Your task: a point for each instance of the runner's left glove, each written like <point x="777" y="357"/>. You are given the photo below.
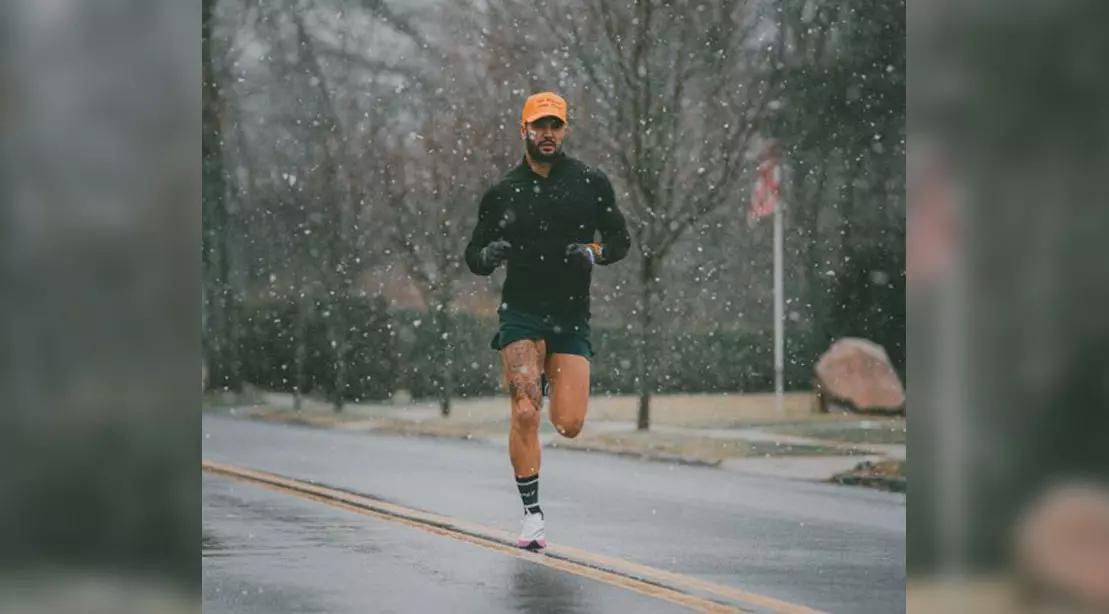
<point x="583" y="255"/>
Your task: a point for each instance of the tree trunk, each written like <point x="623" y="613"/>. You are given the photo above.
<point x="219" y="344"/>
<point x="300" y="352"/>
<point x="644" y="355"/>
<point x="233" y="323"/>
<point x="338" y="336"/>
<point x="340" y="377"/>
<point x="444" y="327"/>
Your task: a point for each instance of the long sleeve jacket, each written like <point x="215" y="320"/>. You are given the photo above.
<point x="539" y="216"/>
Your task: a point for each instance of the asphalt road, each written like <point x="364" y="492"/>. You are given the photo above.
<point x="267" y="552"/>
<point x="831" y="548"/>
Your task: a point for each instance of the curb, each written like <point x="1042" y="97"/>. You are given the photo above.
<point x="878" y="482"/>
<point x="655" y="457"/>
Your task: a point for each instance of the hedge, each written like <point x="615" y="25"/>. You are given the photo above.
<point x="390" y="350"/>
<point x="268" y="347"/>
<point x="475" y="367"/>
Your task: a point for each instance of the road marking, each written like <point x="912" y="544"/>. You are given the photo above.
<point x="694" y="593"/>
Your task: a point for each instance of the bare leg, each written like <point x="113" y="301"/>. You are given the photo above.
<point x="569" y="379"/>
<point x="522" y="362"/>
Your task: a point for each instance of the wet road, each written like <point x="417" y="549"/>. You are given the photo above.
<point x="268" y="552"/>
<point x="831" y="548"/>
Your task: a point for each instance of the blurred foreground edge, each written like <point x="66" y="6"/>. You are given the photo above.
<point x="99" y="312"/>
<point x="1009" y="338"/>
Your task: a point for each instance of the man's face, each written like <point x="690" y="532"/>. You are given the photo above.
<point x="543" y="138"/>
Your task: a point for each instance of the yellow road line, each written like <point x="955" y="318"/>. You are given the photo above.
<point x="673" y="587"/>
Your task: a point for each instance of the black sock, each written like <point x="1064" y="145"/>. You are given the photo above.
<point x="529" y="493"/>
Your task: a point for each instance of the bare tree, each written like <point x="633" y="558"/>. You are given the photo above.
<point x="350" y="201"/>
<point x="435" y="164"/>
<point x="338" y="244"/>
<point x="434" y="177"/>
<point x="306" y="219"/>
<point x="219" y="305"/>
<point x="673" y="91"/>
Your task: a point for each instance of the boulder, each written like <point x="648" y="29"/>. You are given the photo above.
<point x="858" y="373"/>
<point x="1063" y="546"/>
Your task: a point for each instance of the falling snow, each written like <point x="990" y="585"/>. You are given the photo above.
<point x="357" y="150"/>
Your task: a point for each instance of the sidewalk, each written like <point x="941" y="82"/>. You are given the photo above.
<point x="733" y="432"/>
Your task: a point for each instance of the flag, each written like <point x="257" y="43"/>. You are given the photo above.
<point x="764" y="196"/>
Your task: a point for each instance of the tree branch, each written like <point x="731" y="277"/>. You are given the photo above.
<point x="382" y="10"/>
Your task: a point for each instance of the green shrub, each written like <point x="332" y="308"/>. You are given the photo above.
<point x="698" y="362"/>
<point x="475" y="367"/>
<point x="269" y="345"/>
<point x="397" y="349"/>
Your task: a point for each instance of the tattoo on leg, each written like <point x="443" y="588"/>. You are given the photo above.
<point x="531" y="389"/>
<point x="525" y="386"/>
<point x="521" y="364"/>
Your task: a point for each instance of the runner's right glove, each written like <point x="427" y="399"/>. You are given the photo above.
<point x="495" y="253"/>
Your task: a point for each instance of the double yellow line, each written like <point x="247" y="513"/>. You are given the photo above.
<point x="693" y="593"/>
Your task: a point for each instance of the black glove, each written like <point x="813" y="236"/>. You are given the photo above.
<point x="582" y="255"/>
<point x="495" y="253"/>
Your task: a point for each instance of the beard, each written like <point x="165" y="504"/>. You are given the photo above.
<point x="539" y="156"/>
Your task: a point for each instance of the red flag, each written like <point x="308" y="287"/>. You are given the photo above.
<point x="764" y="196"/>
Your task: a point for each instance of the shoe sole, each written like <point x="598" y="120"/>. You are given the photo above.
<point x="532" y="546"/>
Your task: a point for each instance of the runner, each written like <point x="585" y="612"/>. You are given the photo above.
<point x="542" y="219"/>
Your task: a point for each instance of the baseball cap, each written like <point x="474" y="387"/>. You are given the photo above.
<point x="544" y="104"/>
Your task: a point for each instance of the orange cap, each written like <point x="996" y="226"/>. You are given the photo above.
<point x="544" y="104"/>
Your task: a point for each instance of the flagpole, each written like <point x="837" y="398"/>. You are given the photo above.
<point x="779" y="319"/>
<point x="767" y="192"/>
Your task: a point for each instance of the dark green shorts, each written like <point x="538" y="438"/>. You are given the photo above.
<point x="563" y="336"/>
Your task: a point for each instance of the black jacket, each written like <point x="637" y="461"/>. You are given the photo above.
<point x="540" y="216"/>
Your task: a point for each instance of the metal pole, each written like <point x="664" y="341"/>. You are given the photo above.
<point x="779" y="334"/>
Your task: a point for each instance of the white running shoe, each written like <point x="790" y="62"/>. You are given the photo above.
<point x="532" y="536"/>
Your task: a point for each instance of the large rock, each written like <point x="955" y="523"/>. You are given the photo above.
<point x="859" y="373"/>
<point x="1063" y="546"/>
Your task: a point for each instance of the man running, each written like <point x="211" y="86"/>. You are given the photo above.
<point x="541" y="219"/>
